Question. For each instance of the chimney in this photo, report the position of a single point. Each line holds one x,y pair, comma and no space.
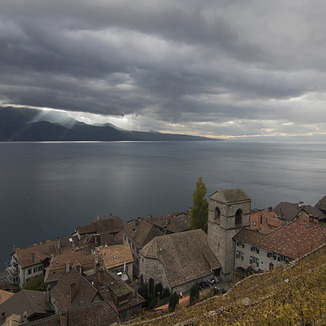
52,258
270,208
33,257
133,233
100,276
98,216
67,267
73,291
64,319
96,263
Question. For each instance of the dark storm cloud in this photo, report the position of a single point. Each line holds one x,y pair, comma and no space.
170,64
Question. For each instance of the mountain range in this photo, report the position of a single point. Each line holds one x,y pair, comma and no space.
24,124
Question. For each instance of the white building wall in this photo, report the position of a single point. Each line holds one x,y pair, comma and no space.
260,259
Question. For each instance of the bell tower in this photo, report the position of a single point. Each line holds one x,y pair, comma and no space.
228,213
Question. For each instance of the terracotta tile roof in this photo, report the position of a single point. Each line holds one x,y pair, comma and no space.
292,240
87,229
57,268
33,302
314,211
85,292
99,314
230,196
286,210
111,224
185,256
175,224
112,288
321,204
264,220
141,232
40,252
117,255
5,295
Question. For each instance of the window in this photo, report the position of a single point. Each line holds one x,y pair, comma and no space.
29,272
254,260
254,249
255,223
129,241
133,247
239,255
240,244
217,216
34,269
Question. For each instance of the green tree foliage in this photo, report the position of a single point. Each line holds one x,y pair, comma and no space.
194,294
173,301
35,283
199,211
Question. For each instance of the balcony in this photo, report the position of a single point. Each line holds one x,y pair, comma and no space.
12,274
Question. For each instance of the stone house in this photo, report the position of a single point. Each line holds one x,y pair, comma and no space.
137,233
178,260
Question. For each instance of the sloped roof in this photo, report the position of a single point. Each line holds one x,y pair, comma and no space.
37,253
110,224
5,295
57,268
85,293
321,204
314,211
230,196
117,255
268,218
99,313
172,224
33,302
292,240
286,210
141,232
185,256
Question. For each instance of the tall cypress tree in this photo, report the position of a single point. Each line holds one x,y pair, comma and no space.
199,211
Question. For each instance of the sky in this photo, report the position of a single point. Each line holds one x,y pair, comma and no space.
217,68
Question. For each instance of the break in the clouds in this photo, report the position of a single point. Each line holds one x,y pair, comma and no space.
216,68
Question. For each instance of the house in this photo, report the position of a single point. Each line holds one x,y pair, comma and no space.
117,258
99,314
137,233
5,295
172,224
265,251
32,261
288,211
264,220
178,260
75,290
25,306
61,265
107,228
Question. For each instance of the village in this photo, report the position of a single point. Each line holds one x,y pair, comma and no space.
107,272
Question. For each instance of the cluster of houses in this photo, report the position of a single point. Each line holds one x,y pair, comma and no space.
92,276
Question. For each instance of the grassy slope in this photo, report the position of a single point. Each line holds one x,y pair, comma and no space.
295,295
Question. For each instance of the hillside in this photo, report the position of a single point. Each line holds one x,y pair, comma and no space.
294,295
28,125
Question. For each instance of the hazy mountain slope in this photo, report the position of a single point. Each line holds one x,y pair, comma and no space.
28,125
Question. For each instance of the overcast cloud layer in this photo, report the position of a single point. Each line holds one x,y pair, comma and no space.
215,68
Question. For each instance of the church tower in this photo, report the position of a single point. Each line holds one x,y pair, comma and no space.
228,213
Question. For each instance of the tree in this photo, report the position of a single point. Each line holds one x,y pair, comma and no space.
194,294
199,211
35,283
173,301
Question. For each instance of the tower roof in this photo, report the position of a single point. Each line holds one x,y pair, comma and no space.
230,196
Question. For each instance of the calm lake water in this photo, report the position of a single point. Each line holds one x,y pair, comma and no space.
48,189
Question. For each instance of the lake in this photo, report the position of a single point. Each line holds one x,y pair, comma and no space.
49,188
